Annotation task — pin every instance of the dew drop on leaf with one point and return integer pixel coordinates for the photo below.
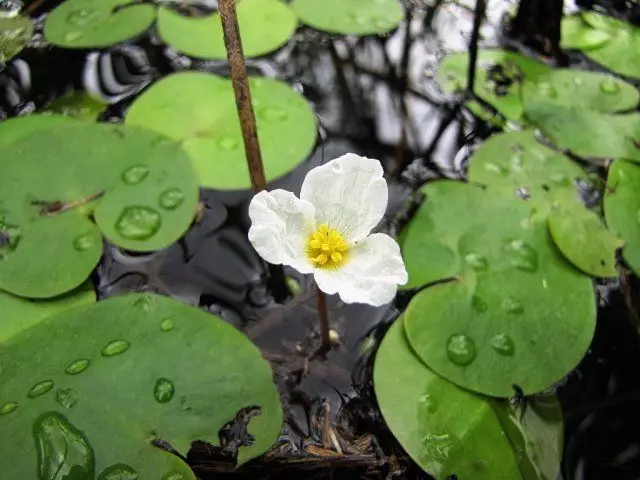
(511, 305)
(166, 325)
(83, 242)
(521, 255)
(547, 90)
(609, 85)
(494, 168)
(77, 366)
(428, 403)
(171, 199)
(479, 305)
(502, 344)
(72, 36)
(227, 143)
(578, 81)
(82, 16)
(516, 162)
(119, 471)
(138, 223)
(115, 347)
(272, 114)
(40, 388)
(66, 397)
(461, 350)
(476, 261)
(163, 390)
(135, 174)
(146, 303)
(559, 179)
(8, 407)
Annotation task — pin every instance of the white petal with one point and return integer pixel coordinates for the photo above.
(371, 274)
(349, 194)
(280, 227)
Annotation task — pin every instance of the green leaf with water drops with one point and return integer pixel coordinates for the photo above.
(577, 34)
(510, 309)
(522, 166)
(94, 24)
(499, 77)
(265, 25)
(350, 17)
(588, 133)
(583, 239)
(622, 208)
(448, 430)
(199, 110)
(576, 88)
(63, 186)
(20, 313)
(15, 33)
(77, 104)
(115, 377)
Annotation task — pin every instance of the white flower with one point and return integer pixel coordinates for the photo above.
(327, 230)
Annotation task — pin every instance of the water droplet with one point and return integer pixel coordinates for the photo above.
(77, 366)
(511, 305)
(461, 350)
(517, 162)
(547, 90)
(82, 16)
(436, 447)
(66, 397)
(227, 143)
(578, 81)
(164, 390)
(521, 255)
(115, 347)
(72, 36)
(173, 476)
(559, 179)
(476, 261)
(138, 223)
(145, 302)
(166, 325)
(40, 388)
(479, 305)
(119, 471)
(609, 85)
(63, 450)
(83, 242)
(494, 168)
(502, 344)
(272, 114)
(135, 174)
(171, 199)
(427, 402)
(8, 407)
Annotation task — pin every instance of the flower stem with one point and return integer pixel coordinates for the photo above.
(323, 314)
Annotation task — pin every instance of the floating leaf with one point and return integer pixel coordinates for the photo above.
(199, 110)
(350, 17)
(513, 310)
(19, 127)
(77, 104)
(577, 34)
(15, 33)
(499, 76)
(113, 380)
(54, 179)
(622, 208)
(265, 25)
(448, 430)
(583, 239)
(91, 24)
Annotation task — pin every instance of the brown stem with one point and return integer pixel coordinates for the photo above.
(240, 82)
(323, 315)
(54, 208)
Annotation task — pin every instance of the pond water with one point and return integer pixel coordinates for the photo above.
(375, 96)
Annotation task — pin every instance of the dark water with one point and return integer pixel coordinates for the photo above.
(376, 97)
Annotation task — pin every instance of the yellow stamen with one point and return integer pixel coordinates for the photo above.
(327, 248)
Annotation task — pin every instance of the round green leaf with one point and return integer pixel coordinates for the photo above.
(577, 34)
(15, 33)
(77, 104)
(138, 186)
(118, 375)
(577, 88)
(492, 65)
(622, 208)
(519, 163)
(448, 430)
(583, 239)
(513, 311)
(350, 17)
(91, 24)
(20, 313)
(265, 25)
(19, 127)
(199, 110)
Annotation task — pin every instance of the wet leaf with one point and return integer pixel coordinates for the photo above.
(91, 24)
(265, 25)
(622, 208)
(499, 76)
(513, 311)
(350, 17)
(448, 430)
(577, 34)
(137, 186)
(583, 239)
(199, 111)
(136, 384)
(77, 104)
(15, 33)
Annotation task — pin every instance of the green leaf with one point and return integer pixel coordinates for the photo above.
(492, 65)
(199, 111)
(119, 374)
(350, 17)
(77, 104)
(587, 133)
(517, 162)
(20, 127)
(577, 34)
(583, 239)
(91, 24)
(15, 33)
(576, 88)
(20, 313)
(622, 208)
(138, 187)
(448, 430)
(512, 311)
(265, 25)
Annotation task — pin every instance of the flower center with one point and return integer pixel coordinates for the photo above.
(326, 248)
